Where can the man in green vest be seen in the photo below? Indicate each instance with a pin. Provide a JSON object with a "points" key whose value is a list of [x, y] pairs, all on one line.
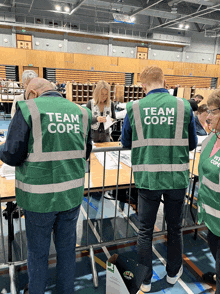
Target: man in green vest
{"points": [[49, 141], [160, 130]]}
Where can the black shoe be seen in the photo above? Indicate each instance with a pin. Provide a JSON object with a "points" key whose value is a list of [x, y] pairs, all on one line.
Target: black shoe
{"points": [[209, 278], [26, 289]]}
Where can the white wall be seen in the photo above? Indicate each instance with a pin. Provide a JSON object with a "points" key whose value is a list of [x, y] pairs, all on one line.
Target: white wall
{"points": [[201, 50], [6, 38], [49, 42]]}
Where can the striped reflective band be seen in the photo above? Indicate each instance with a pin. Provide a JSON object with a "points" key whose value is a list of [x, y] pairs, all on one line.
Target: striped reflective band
{"points": [[54, 156], [38, 155], [160, 167], [212, 186], [36, 126], [85, 119], [205, 142], [50, 188], [209, 210], [160, 142], [177, 141]]}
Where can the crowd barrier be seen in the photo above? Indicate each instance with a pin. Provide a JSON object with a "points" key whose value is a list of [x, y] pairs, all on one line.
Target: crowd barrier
{"points": [[100, 242]]}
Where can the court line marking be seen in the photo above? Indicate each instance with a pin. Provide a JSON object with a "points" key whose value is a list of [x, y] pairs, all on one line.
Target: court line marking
{"points": [[95, 233], [180, 281]]}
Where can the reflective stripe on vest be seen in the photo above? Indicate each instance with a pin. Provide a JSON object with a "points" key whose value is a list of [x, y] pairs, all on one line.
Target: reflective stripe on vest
{"points": [[205, 142], [209, 210], [38, 155], [49, 188], [177, 141], [212, 186], [160, 167]]}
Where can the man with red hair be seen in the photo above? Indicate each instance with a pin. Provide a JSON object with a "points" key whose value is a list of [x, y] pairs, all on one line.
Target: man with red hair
{"points": [[161, 130]]}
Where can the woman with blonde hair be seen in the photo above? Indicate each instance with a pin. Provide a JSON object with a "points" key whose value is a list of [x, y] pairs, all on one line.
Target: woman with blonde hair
{"points": [[101, 107]]}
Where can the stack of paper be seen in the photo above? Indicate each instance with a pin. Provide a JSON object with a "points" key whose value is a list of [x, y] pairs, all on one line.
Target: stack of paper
{"points": [[7, 171], [110, 162], [125, 156]]}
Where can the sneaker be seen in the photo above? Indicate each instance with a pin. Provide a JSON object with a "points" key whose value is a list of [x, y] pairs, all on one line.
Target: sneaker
{"points": [[209, 277], [173, 280], [26, 289], [145, 288]]}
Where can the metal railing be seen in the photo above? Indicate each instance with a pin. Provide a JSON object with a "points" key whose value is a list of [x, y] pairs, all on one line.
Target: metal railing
{"points": [[189, 223]]}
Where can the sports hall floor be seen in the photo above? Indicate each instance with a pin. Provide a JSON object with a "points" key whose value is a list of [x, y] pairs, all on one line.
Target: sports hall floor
{"points": [[197, 256]]}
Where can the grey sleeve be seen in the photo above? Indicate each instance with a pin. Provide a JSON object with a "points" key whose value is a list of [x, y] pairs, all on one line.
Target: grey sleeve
{"points": [[94, 118]]}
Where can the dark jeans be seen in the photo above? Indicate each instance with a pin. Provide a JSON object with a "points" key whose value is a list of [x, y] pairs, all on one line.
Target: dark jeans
{"points": [[38, 230], [148, 204], [214, 245]]}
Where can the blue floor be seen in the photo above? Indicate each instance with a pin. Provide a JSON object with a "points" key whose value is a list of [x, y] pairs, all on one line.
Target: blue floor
{"points": [[197, 256], [4, 124]]}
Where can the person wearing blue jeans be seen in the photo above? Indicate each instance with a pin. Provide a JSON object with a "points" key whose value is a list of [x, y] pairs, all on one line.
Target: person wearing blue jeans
{"points": [[49, 141], [38, 230], [148, 204]]}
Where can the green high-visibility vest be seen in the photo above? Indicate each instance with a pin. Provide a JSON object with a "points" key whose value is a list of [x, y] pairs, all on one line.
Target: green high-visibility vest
{"points": [[160, 147], [209, 190], [52, 176]]}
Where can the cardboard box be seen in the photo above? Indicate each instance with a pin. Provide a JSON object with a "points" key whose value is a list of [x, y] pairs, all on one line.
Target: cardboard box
{"points": [[124, 275]]}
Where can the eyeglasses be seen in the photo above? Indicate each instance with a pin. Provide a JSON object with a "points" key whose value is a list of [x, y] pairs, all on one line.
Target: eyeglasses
{"points": [[211, 111]]}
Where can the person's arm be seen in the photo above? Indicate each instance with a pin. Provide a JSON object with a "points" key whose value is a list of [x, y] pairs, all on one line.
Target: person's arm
{"points": [[113, 110], [126, 136], [15, 150], [13, 108], [192, 132], [94, 118]]}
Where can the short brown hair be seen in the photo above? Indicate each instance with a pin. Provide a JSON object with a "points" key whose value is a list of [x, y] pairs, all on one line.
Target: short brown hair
{"points": [[97, 92], [151, 75], [214, 98], [199, 96], [202, 108]]}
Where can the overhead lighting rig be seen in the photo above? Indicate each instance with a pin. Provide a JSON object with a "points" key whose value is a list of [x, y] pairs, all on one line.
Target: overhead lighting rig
{"points": [[123, 18]]}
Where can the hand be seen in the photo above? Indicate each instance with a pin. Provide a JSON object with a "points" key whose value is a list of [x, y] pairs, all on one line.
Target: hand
{"points": [[101, 119]]}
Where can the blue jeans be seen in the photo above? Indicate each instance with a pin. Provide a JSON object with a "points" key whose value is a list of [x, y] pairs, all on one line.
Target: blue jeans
{"points": [[38, 230], [214, 245], [148, 204]]}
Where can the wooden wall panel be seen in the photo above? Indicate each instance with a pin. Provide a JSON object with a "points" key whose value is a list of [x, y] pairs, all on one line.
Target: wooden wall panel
{"points": [[188, 81], [187, 93], [2, 72], [92, 76], [40, 59]]}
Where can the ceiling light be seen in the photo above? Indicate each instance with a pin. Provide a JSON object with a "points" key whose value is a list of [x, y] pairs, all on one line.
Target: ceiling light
{"points": [[58, 7], [186, 26], [124, 18], [67, 9], [180, 25]]}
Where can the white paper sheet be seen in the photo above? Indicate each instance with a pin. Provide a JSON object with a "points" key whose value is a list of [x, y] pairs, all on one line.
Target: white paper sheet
{"points": [[7, 171], [108, 122], [110, 163]]}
